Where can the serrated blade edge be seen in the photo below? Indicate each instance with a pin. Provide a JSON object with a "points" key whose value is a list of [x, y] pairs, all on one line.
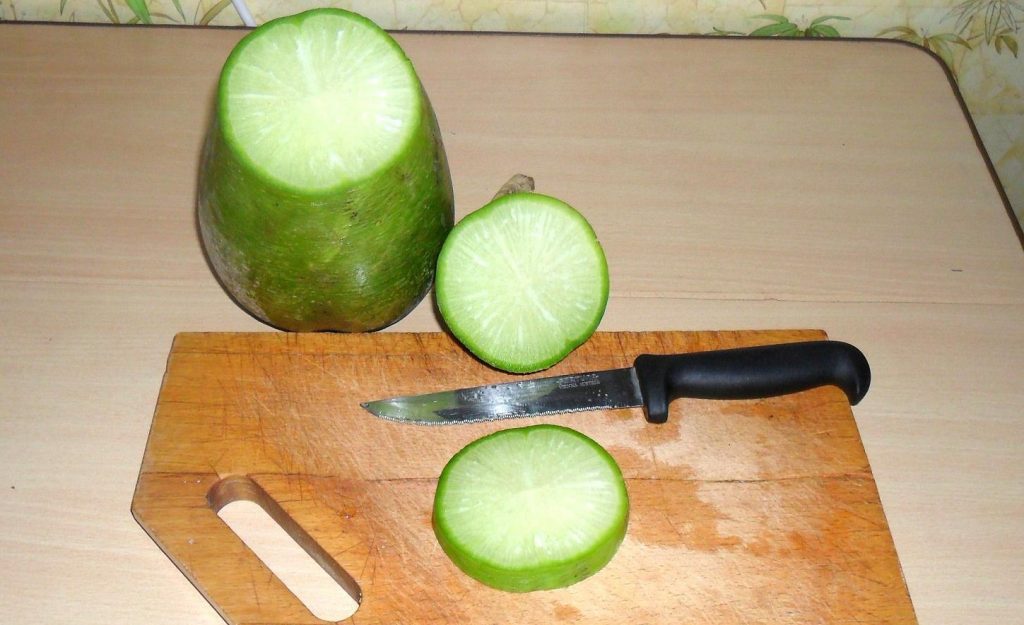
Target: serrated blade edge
{"points": [[534, 397]]}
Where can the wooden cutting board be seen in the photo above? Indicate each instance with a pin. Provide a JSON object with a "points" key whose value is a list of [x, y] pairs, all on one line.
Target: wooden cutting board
{"points": [[759, 511]]}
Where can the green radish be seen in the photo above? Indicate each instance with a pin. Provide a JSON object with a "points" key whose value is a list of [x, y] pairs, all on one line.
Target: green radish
{"points": [[531, 508], [324, 190], [522, 282]]}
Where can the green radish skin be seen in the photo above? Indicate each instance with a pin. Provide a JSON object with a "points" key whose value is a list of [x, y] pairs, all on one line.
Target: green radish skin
{"points": [[353, 256], [533, 576]]}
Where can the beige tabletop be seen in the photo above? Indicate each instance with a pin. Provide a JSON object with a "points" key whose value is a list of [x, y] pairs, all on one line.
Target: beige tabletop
{"points": [[735, 184]]}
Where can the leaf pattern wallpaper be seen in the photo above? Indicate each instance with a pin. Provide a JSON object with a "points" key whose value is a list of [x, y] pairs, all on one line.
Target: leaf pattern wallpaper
{"points": [[978, 40]]}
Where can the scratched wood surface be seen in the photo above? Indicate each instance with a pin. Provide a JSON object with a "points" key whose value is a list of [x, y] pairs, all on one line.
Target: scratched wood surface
{"points": [[741, 511]]}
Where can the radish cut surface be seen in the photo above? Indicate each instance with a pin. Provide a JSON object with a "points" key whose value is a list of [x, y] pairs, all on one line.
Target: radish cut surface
{"points": [[532, 508], [318, 99], [522, 282]]}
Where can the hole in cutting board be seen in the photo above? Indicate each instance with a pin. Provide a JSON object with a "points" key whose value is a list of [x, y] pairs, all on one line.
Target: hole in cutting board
{"points": [[316, 579]]}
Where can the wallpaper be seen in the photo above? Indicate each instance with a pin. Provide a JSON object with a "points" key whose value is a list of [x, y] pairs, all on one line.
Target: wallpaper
{"points": [[979, 40]]}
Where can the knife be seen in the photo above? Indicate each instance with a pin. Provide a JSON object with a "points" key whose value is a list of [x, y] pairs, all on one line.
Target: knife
{"points": [[654, 381]]}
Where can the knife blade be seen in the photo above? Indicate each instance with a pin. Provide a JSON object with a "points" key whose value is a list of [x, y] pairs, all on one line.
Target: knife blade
{"points": [[653, 382]]}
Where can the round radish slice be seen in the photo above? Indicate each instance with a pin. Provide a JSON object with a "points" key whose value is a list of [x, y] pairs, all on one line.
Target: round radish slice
{"points": [[522, 282], [532, 508]]}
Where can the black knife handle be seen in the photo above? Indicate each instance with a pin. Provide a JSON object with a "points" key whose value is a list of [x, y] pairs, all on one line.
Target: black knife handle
{"points": [[749, 373]]}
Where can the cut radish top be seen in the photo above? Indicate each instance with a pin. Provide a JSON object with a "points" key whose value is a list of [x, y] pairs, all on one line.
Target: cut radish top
{"points": [[319, 99], [522, 281], [531, 508]]}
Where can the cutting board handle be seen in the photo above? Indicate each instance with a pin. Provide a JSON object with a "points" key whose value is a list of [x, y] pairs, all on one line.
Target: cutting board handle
{"points": [[242, 488], [232, 577]]}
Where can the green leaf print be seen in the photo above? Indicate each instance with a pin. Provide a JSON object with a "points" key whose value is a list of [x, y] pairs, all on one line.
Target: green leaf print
{"points": [[213, 12], [140, 10], [109, 11], [1006, 39], [941, 44], [995, 17], [781, 26]]}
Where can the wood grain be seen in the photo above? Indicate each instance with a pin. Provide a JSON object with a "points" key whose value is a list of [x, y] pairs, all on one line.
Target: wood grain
{"points": [[741, 511]]}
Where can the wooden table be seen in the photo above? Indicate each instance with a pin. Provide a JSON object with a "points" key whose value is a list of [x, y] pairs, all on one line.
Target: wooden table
{"points": [[735, 184]]}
